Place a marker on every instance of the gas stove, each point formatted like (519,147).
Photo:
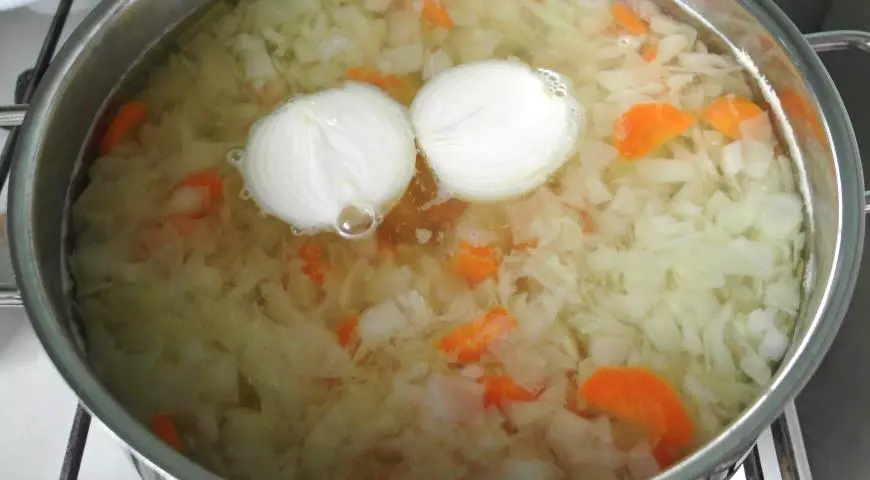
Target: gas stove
(824,432)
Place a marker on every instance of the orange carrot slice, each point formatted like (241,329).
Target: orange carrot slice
(526,246)
(316,272)
(728,112)
(197,195)
(314,264)
(470,341)
(647,126)
(372,77)
(500,388)
(436,14)
(163,426)
(649,52)
(476,264)
(588,222)
(625,17)
(640,397)
(157,235)
(346,332)
(311,252)
(129,117)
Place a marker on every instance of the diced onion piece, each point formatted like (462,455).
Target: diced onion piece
(641,462)
(258,64)
(756,368)
(378,6)
(450,398)
(773,345)
(379,323)
(435,63)
(522,469)
(609,350)
(568,434)
(523,414)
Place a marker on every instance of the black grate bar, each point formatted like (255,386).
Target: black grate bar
(75,447)
(49,45)
(82,421)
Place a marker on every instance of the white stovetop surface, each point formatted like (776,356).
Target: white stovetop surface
(36,406)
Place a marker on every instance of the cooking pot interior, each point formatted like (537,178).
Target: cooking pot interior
(126,57)
(109,57)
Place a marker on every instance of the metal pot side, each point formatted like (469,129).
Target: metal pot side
(103,61)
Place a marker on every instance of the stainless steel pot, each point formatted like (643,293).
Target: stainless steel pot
(103,60)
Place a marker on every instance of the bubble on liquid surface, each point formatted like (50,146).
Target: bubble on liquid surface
(631,41)
(356,222)
(235,156)
(555,84)
(302,232)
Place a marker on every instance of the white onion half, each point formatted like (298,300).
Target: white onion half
(351,146)
(495,129)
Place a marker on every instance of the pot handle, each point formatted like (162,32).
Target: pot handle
(9,294)
(837,40)
(10,297)
(12,115)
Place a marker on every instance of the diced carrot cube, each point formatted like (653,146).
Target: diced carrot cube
(501,388)
(346,332)
(647,126)
(625,17)
(314,263)
(130,116)
(470,341)
(436,14)
(207,186)
(476,264)
(640,397)
(728,112)
(163,426)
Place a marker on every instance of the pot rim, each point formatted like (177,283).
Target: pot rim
(791,377)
